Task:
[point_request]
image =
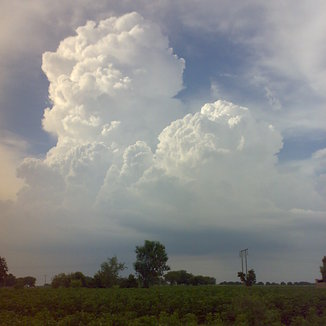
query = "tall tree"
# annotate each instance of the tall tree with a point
(60, 280)
(108, 275)
(29, 281)
(151, 262)
(3, 270)
(10, 280)
(249, 279)
(178, 277)
(323, 270)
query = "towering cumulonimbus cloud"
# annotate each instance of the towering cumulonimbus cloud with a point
(111, 85)
(127, 152)
(115, 77)
(133, 162)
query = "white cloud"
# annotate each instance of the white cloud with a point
(220, 164)
(299, 52)
(319, 161)
(281, 40)
(111, 86)
(127, 158)
(280, 44)
(118, 71)
(220, 159)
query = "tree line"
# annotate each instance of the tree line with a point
(150, 266)
(182, 277)
(10, 280)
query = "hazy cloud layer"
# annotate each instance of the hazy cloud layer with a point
(12, 151)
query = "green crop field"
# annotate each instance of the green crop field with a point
(165, 305)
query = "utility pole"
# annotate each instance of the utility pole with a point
(241, 256)
(44, 279)
(244, 253)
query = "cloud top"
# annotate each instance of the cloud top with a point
(111, 75)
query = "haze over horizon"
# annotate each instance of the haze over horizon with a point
(197, 124)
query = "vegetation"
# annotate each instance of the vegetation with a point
(77, 279)
(184, 278)
(151, 262)
(323, 270)
(165, 305)
(150, 266)
(130, 282)
(108, 275)
(3, 270)
(9, 280)
(73, 299)
(248, 279)
(110, 299)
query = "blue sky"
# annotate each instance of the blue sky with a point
(105, 147)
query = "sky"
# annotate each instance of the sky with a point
(199, 124)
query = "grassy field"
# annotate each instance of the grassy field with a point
(166, 305)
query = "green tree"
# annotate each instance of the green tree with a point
(19, 283)
(3, 270)
(108, 275)
(172, 277)
(248, 279)
(60, 280)
(130, 282)
(78, 278)
(10, 280)
(178, 277)
(151, 260)
(29, 281)
(89, 282)
(75, 283)
(323, 270)
(203, 280)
